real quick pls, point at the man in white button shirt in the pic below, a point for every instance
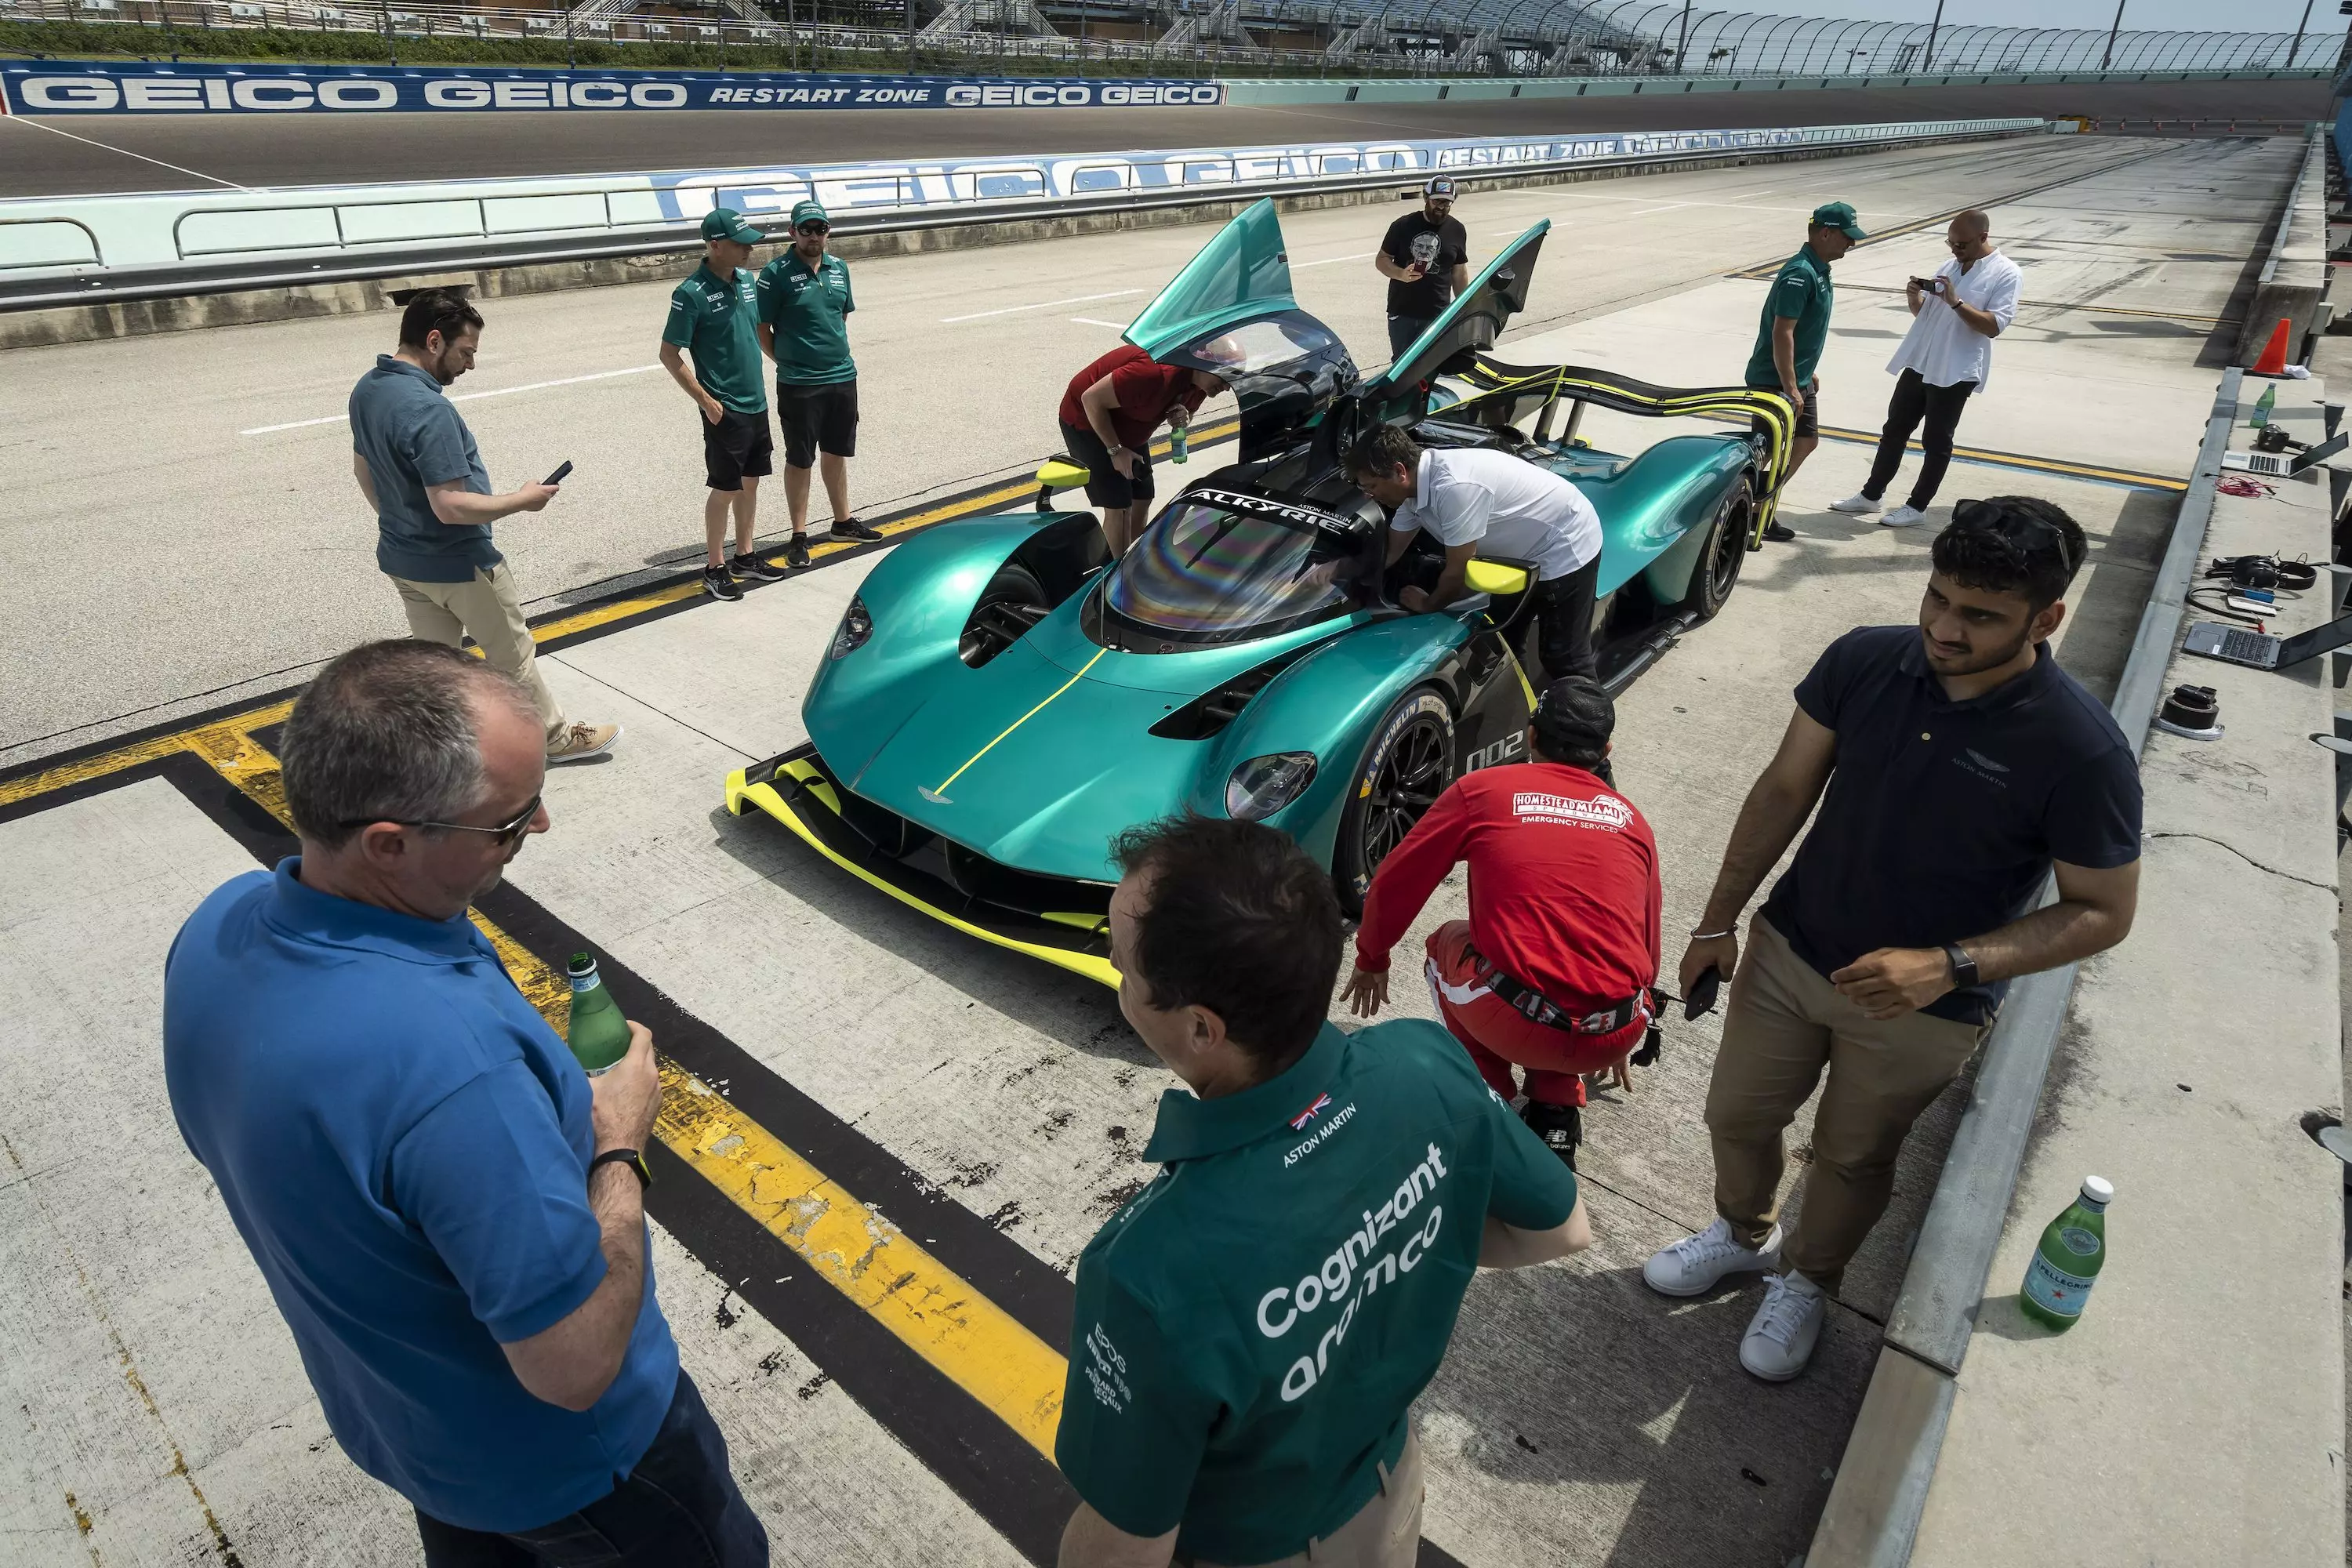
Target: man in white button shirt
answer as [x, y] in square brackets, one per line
[1947, 355]
[1482, 502]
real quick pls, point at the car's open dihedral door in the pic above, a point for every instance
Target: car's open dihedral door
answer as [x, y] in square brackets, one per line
[1472, 322]
[1243, 274]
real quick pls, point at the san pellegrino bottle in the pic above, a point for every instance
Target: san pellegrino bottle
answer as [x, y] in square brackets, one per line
[2066, 1264]
[599, 1036]
[1180, 444]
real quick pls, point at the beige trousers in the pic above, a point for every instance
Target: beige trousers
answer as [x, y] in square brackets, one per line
[1784, 1025]
[1384, 1534]
[488, 610]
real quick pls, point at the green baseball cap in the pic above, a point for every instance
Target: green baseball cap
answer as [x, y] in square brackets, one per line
[809, 212]
[726, 222]
[1839, 216]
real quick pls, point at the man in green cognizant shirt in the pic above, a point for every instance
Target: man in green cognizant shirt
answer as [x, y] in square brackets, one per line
[1251, 1330]
[804, 306]
[1795, 324]
[713, 319]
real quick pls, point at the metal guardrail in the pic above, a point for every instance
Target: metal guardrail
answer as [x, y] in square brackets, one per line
[207, 241]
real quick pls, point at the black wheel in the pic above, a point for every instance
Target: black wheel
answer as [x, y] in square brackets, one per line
[1716, 571]
[1407, 766]
[1012, 602]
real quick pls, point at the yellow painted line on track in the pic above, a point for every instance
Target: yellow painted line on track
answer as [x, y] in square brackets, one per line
[969, 1340]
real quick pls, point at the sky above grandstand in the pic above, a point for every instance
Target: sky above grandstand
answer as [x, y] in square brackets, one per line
[2201, 15]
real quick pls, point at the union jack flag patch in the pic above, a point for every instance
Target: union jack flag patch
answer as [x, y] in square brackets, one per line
[1307, 1115]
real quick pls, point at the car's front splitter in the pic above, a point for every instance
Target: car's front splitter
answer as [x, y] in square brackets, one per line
[795, 789]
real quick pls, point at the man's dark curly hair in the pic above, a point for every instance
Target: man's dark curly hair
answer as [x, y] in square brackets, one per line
[1238, 920]
[2011, 544]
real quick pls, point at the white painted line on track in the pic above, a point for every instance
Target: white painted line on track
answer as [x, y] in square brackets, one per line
[125, 152]
[1360, 256]
[1669, 207]
[1040, 305]
[466, 397]
[1090, 321]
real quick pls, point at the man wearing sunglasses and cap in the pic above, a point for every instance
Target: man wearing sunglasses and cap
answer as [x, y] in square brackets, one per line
[712, 318]
[1957, 766]
[1795, 325]
[804, 306]
[1425, 257]
[448, 1212]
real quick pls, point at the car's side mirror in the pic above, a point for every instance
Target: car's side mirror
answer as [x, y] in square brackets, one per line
[1494, 577]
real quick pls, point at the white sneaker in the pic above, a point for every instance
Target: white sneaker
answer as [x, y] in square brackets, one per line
[1782, 1335]
[1903, 517]
[1692, 1266]
[1854, 505]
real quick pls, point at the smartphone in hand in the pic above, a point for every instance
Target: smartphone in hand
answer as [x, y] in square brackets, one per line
[557, 478]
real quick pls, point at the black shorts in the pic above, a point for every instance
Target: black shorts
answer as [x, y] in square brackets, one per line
[1806, 411]
[738, 447]
[1106, 486]
[818, 419]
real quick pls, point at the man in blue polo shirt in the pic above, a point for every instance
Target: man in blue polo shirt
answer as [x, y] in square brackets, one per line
[448, 1212]
[1252, 1327]
[1962, 767]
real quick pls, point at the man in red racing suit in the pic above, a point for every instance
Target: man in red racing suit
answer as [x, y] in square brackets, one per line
[1552, 970]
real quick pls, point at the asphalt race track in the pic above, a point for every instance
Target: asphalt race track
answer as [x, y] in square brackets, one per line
[124, 152]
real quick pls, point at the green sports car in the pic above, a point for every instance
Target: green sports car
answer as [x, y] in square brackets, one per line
[1000, 698]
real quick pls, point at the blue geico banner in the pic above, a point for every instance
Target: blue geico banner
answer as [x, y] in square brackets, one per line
[78, 87]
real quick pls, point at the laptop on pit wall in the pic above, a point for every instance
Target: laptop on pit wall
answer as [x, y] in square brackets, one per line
[2259, 650]
[2283, 465]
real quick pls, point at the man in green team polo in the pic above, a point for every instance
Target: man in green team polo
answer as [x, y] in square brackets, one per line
[1795, 324]
[804, 306]
[712, 319]
[1252, 1327]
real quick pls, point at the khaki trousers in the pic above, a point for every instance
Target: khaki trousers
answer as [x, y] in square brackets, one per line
[488, 610]
[1384, 1534]
[1785, 1023]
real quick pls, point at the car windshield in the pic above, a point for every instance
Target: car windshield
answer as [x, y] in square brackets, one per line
[1207, 572]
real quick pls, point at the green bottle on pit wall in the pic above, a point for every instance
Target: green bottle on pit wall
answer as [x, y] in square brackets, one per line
[2066, 1264]
[598, 1035]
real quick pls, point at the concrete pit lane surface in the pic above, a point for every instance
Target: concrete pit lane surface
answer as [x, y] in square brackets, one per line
[72, 154]
[980, 1113]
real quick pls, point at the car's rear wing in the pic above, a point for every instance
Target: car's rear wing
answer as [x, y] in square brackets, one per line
[1505, 393]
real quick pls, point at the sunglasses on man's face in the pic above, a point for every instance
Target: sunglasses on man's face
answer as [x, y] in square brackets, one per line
[506, 835]
[816, 228]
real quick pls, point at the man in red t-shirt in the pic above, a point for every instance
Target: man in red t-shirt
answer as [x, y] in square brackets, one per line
[1108, 414]
[1552, 970]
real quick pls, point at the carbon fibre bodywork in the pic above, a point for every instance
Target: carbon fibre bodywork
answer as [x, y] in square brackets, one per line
[1001, 701]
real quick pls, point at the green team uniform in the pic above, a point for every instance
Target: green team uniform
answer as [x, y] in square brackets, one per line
[1252, 1327]
[714, 318]
[1801, 289]
[809, 309]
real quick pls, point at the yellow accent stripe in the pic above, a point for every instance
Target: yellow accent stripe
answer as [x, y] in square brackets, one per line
[933, 1311]
[765, 797]
[1018, 722]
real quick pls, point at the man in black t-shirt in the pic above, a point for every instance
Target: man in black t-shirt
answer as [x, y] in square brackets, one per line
[1961, 766]
[1425, 257]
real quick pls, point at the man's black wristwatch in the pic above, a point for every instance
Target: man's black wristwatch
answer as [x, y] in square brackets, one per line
[1964, 968]
[635, 1161]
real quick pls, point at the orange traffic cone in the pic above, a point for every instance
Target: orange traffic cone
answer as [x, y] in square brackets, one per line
[2273, 360]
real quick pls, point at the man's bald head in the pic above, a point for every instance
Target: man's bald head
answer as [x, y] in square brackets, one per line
[1974, 221]
[1969, 237]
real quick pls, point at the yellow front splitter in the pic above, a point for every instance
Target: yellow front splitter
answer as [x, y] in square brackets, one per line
[808, 799]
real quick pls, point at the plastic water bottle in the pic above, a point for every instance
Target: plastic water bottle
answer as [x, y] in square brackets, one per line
[598, 1035]
[2066, 1264]
[1179, 443]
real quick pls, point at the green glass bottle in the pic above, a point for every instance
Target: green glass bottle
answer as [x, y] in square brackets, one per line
[598, 1035]
[2066, 1264]
[1180, 444]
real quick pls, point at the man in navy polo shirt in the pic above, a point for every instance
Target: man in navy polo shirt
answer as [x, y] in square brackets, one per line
[448, 1212]
[1252, 1327]
[1962, 767]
